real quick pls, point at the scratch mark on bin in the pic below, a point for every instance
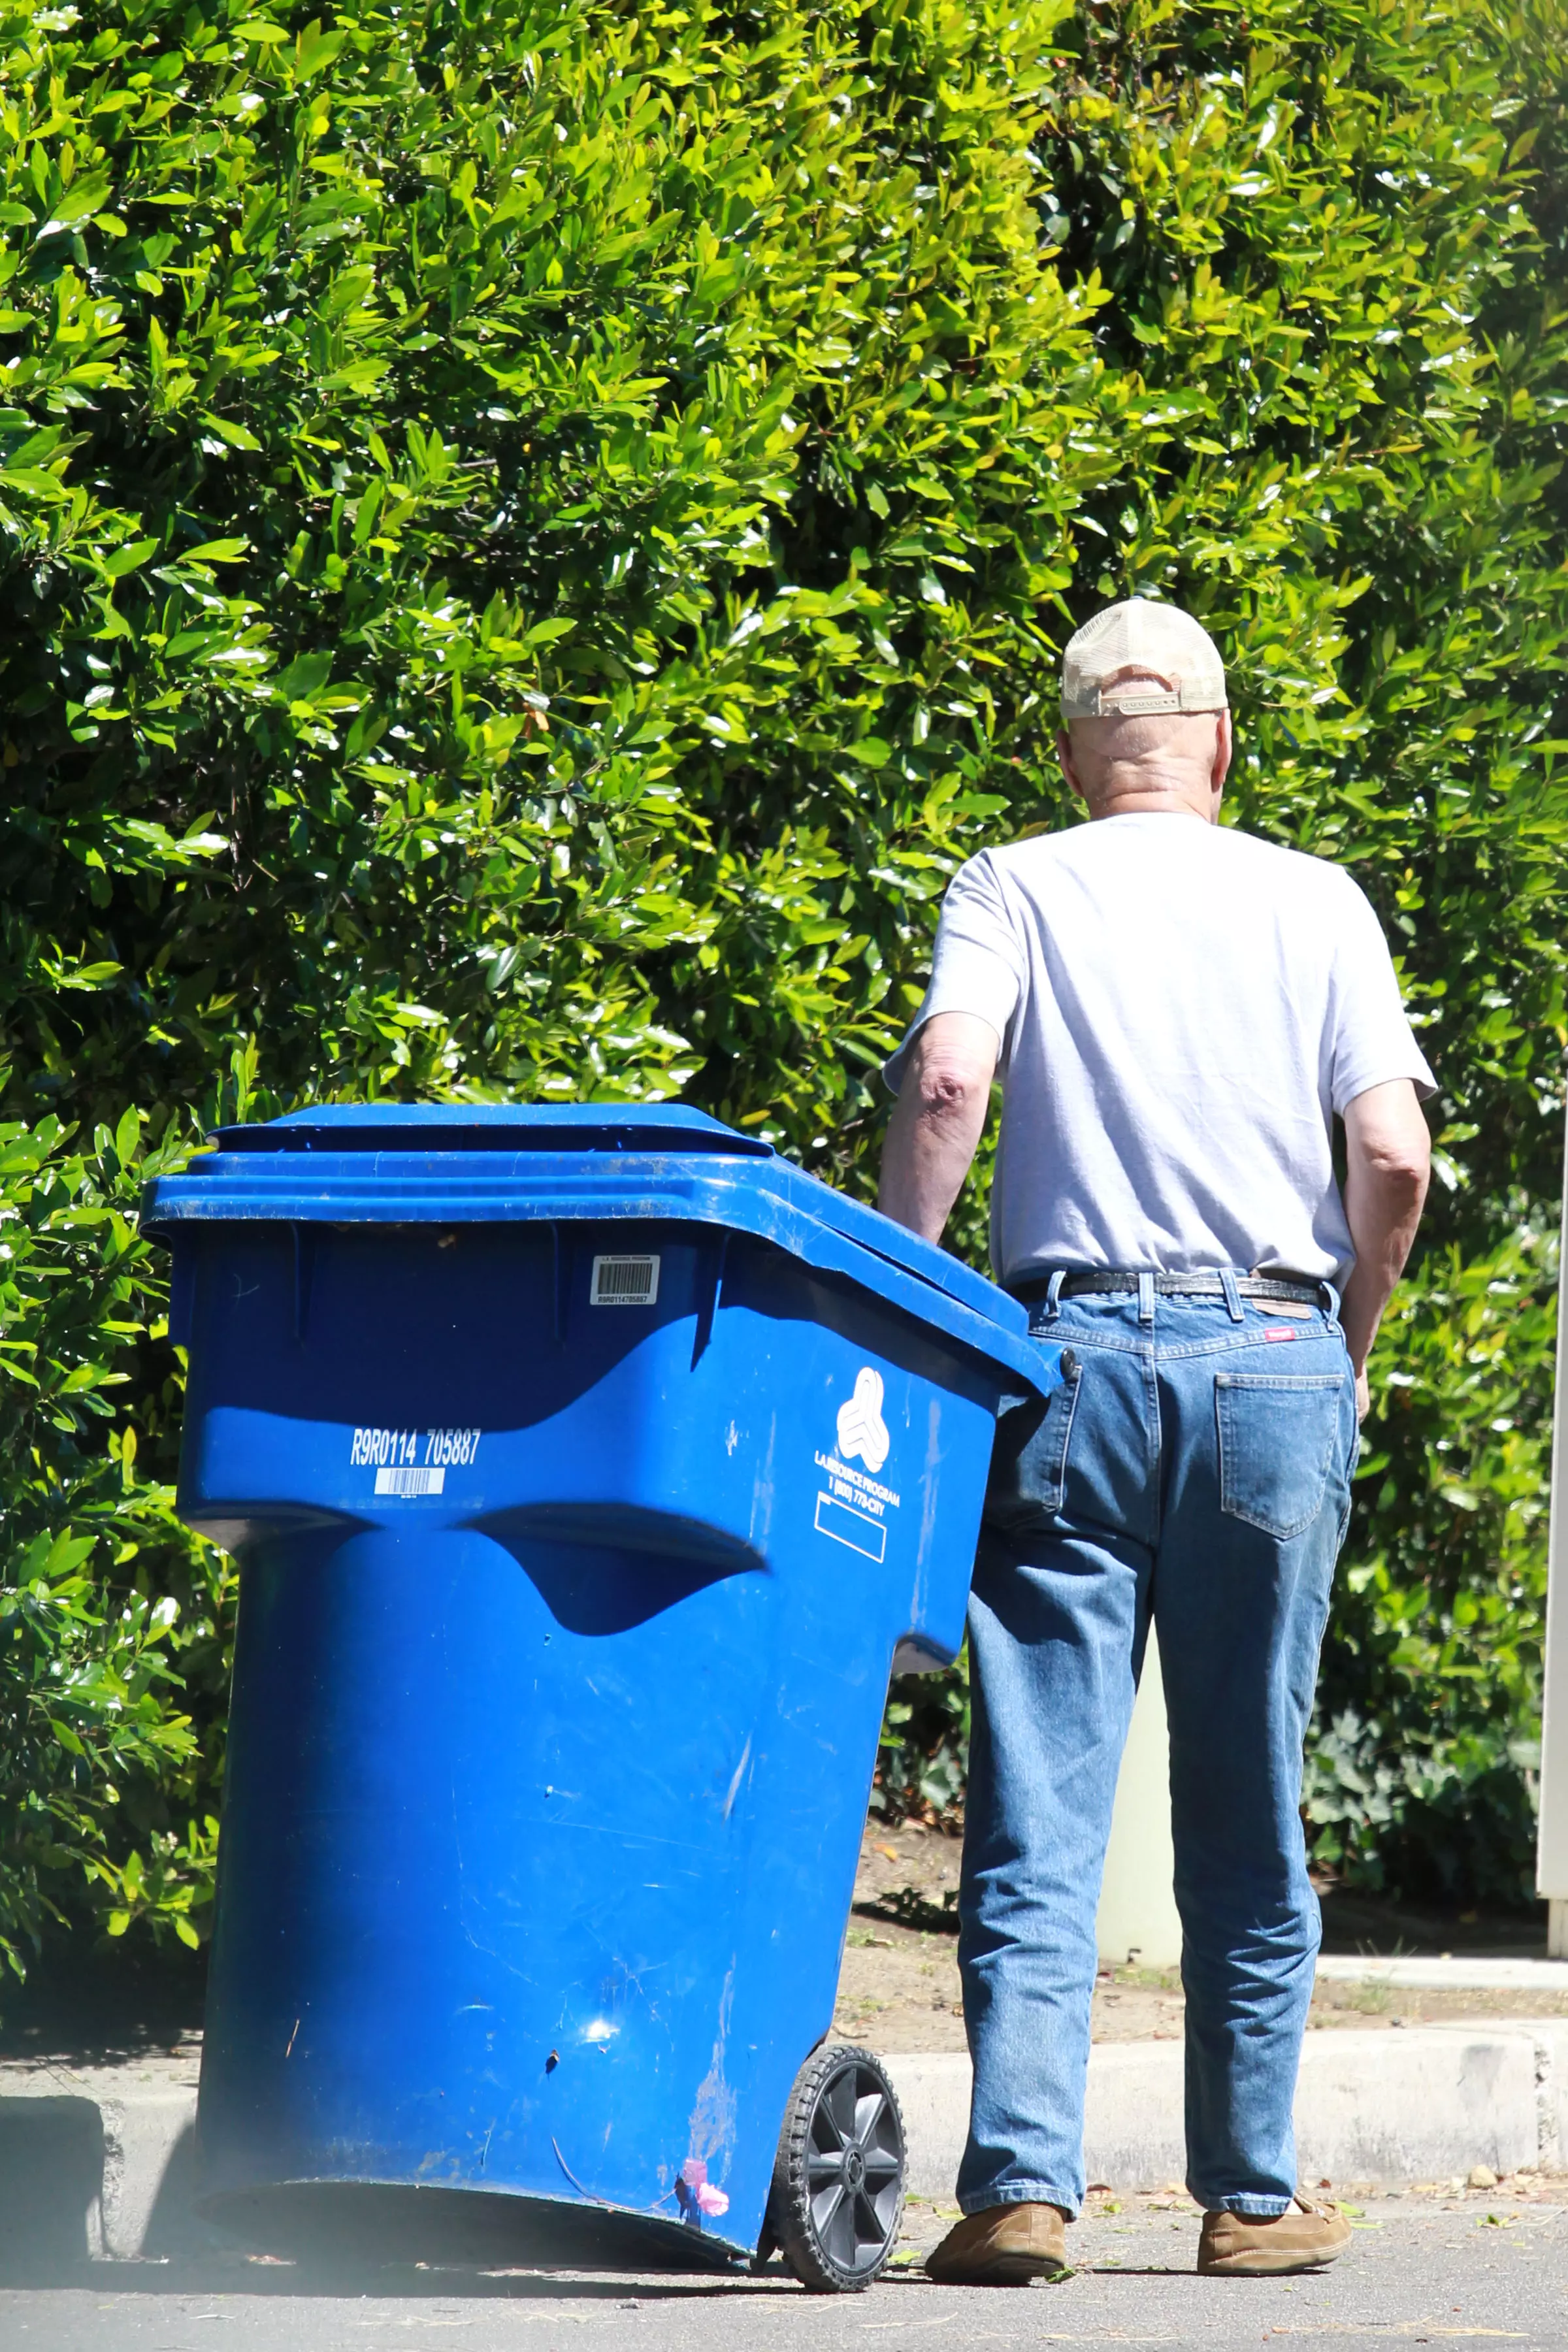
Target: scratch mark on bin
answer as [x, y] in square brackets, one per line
[931, 1481]
[763, 1491]
[572, 2177]
[712, 2133]
[738, 1776]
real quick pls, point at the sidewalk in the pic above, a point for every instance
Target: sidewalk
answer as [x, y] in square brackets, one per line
[1491, 2264]
[101, 2161]
[1417, 2071]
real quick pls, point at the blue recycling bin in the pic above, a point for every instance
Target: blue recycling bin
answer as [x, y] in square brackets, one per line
[587, 1468]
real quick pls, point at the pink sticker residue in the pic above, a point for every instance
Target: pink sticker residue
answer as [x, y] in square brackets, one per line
[704, 2196]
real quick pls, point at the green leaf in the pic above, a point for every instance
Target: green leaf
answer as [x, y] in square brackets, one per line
[123, 559]
[84, 197]
[86, 975]
[238, 436]
[315, 50]
[217, 550]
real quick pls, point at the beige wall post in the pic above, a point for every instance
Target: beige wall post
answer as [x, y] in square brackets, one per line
[1552, 1845]
[1138, 1924]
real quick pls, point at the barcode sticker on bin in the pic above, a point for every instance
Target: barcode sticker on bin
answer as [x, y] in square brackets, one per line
[415, 1480]
[625, 1282]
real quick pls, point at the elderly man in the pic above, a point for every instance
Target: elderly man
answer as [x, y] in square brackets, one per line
[1178, 1013]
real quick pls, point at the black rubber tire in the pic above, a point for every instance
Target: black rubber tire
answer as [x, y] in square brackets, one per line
[838, 2179]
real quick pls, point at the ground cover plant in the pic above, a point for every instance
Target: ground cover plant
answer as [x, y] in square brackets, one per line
[533, 537]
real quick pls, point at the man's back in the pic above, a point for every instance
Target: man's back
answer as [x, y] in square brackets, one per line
[1183, 1008]
[1176, 1012]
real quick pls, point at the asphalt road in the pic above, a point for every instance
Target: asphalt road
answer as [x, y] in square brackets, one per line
[1415, 2274]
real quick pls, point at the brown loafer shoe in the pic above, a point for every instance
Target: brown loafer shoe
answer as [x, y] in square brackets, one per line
[1006, 2245]
[1254, 2245]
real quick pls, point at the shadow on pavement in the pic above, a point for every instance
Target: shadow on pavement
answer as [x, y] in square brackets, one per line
[342, 2238]
[230, 2274]
[51, 2174]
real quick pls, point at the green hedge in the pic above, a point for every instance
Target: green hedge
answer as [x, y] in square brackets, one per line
[533, 539]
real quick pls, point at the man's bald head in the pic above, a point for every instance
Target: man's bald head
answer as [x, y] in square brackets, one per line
[1133, 761]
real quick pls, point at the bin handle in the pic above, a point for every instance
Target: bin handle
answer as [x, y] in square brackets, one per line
[707, 1307]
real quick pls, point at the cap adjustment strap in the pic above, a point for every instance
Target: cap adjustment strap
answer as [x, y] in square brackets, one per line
[1111, 702]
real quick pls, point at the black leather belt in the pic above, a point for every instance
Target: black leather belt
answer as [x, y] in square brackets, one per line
[1079, 1283]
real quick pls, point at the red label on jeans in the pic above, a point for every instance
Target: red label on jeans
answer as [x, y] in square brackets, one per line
[1279, 1331]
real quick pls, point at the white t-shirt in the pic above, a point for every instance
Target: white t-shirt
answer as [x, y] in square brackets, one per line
[1183, 1008]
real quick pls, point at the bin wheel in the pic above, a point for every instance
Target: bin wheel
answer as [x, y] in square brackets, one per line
[838, 2180]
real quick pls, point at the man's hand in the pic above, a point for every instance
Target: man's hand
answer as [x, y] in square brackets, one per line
[1388, 1161]
[937, 1120]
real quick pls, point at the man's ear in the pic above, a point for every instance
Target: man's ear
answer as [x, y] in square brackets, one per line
[1064, 755]
[1225, 743]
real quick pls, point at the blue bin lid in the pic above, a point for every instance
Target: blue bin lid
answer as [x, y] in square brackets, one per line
[455, 1163]
[493, 1126]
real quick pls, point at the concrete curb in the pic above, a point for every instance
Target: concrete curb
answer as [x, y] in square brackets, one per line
[1446, 1974]
[1420, 2104]
[107, 2167]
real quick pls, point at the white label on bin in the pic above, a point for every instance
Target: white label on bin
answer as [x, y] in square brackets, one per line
[852, 1508]
[852, 1527]
[390, 1452]
[861, 1429]
[625, 1282]
[417, 1481]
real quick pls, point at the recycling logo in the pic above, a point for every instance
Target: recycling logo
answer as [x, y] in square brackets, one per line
[861, 1429]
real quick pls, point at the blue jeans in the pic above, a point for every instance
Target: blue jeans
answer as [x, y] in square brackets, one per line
[1197, 1467]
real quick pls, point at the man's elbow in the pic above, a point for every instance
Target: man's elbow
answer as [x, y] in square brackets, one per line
[1401, 1168]
[950, 1096]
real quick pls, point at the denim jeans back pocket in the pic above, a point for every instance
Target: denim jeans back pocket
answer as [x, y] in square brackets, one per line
[1278, 1435]
[1029, 1462]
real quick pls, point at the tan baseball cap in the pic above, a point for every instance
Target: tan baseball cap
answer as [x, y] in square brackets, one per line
[1142, 634]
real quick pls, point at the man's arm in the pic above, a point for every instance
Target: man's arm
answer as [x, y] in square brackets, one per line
[1388, 1159]
[937, 1120]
